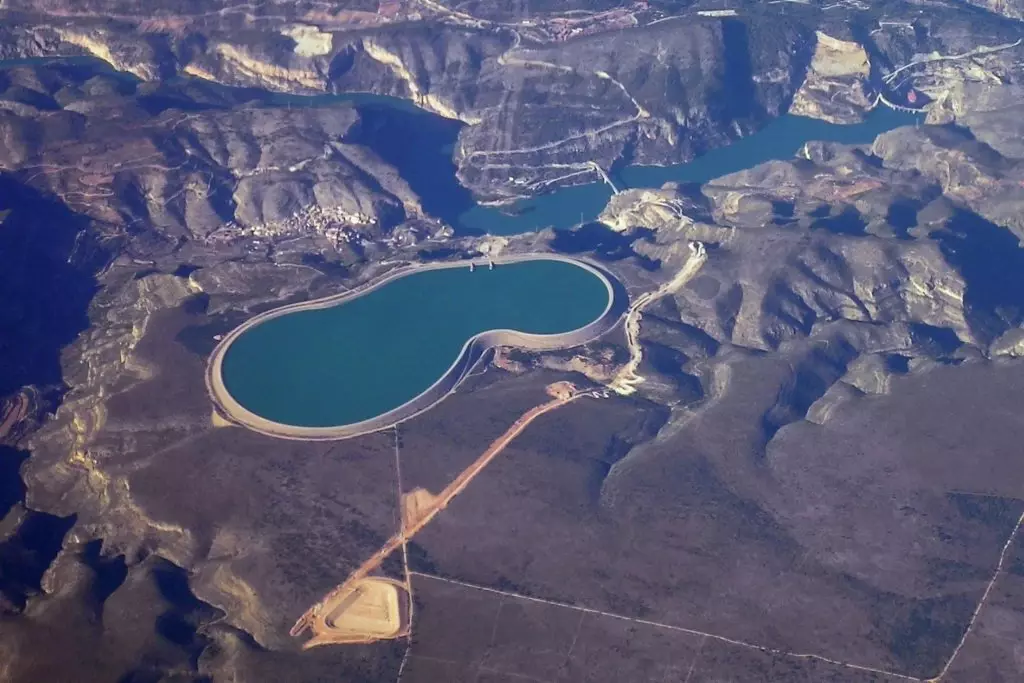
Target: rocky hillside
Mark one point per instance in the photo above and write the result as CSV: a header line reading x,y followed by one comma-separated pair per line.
x,y
174,165
544,94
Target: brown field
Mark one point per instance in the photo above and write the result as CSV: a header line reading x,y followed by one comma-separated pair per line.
x,y
360,609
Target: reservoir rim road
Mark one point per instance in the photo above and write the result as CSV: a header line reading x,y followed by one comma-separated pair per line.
x,y
231,410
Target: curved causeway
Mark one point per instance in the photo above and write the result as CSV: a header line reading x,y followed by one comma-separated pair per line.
x,y
365,360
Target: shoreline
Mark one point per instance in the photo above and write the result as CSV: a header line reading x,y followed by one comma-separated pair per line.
x,y
226,407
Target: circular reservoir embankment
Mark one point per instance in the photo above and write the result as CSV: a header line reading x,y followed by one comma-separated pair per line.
x,y
364,360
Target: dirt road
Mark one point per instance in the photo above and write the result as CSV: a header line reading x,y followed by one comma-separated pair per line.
x,y
626,380
426,509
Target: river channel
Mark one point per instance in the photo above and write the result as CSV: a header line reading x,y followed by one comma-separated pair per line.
x,y
420,145
780,139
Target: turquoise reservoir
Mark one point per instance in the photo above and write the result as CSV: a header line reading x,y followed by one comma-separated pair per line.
x,y
367,355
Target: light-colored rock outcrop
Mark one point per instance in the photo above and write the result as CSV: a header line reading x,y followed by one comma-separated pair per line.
x,y
835,87
644,207
309,40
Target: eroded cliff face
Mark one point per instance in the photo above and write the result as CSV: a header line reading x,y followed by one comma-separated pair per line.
x,y
102,364
836,86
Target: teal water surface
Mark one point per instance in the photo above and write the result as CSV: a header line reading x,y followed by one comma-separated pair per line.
x,y
361,358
